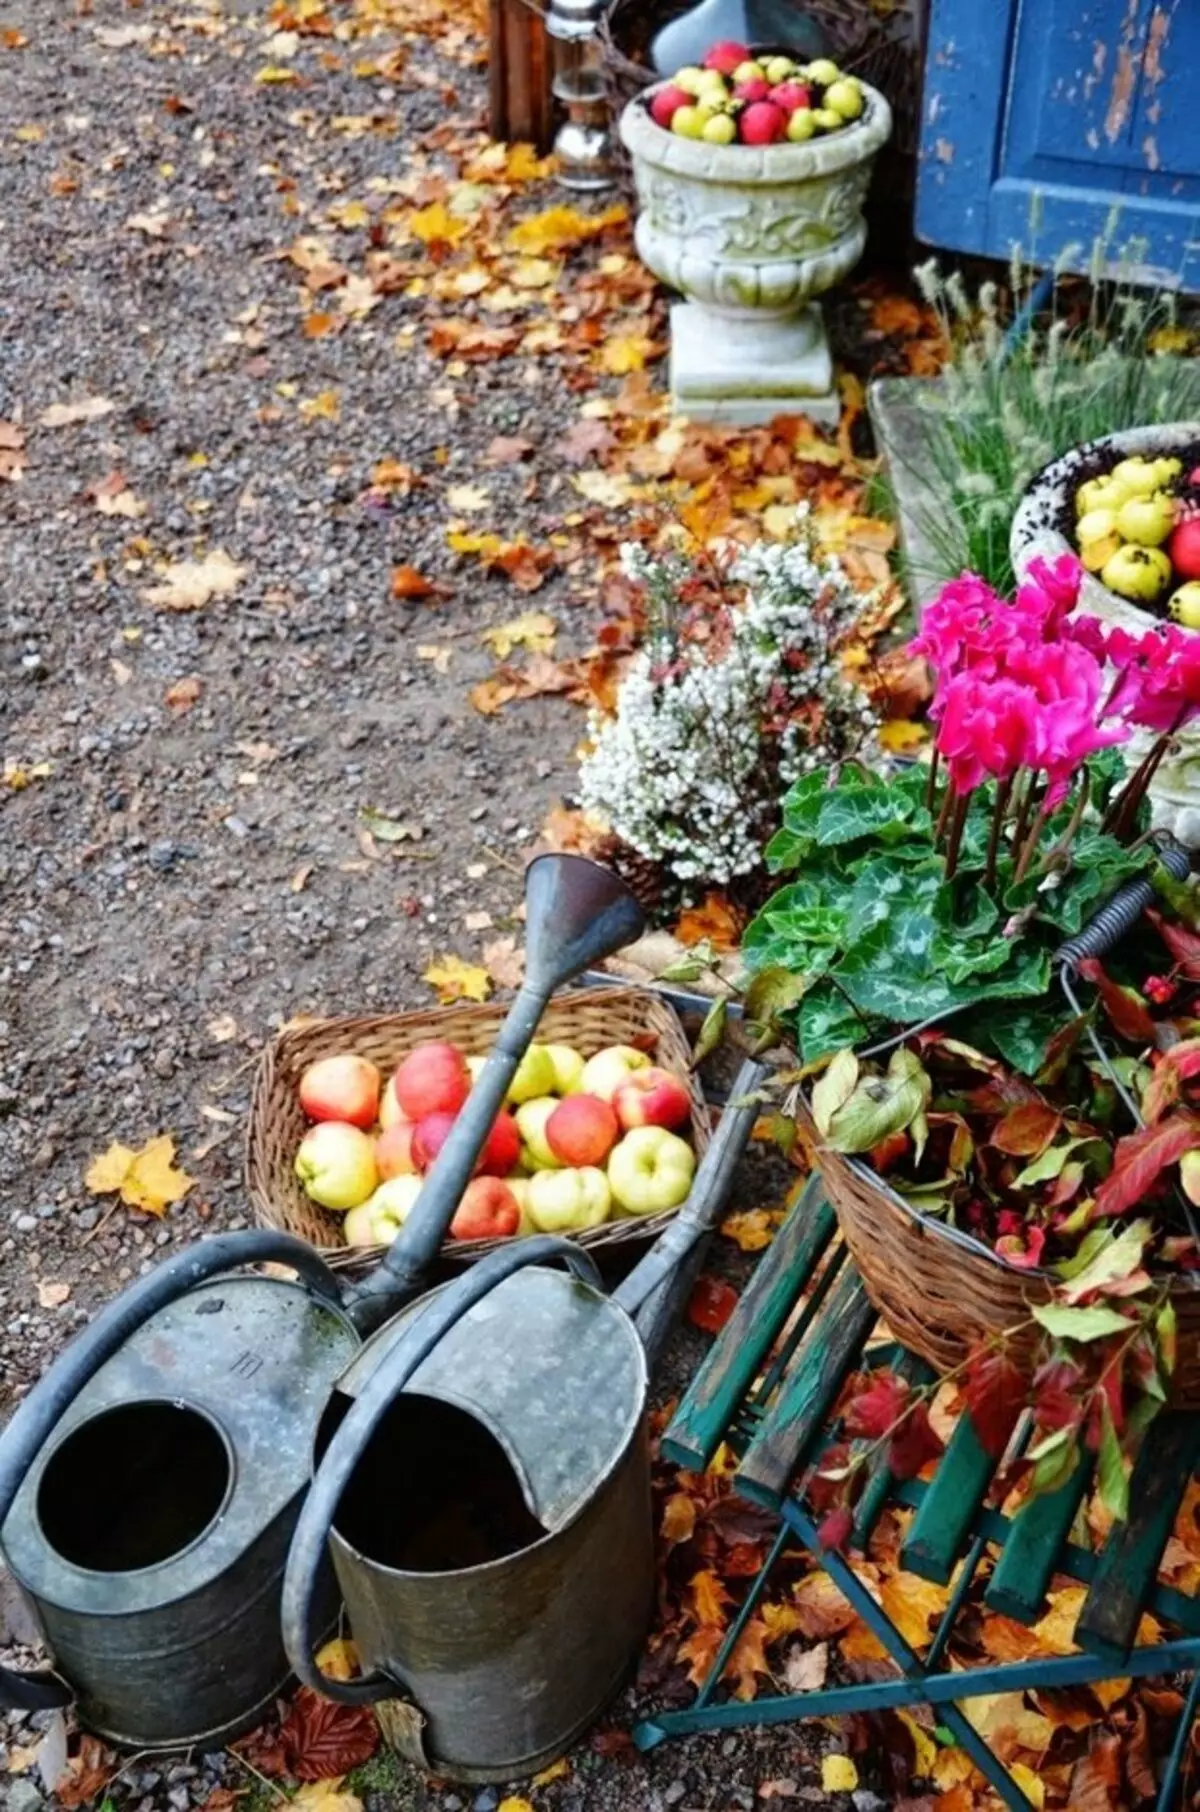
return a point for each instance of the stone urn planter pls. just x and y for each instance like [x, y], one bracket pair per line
[1037, 532]
[749, 235]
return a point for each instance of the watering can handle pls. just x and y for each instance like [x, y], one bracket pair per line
[40, 1412]
[345, 1449]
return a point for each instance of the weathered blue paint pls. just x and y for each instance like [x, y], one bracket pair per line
[1051, 123]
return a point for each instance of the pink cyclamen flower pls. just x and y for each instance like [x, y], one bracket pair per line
[988, 729]
[1159, 685]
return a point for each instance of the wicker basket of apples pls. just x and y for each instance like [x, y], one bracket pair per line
[599, 1140]
[757, 98]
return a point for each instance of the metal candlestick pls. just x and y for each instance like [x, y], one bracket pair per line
[584, 144]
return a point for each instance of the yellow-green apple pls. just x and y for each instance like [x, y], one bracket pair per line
[845, 97]
[534, 1076]
[1137, 476]
[531, 1122]
[582, 1130]
[433, 1079]
[1184, 605]
[390, 1111]
[604, 1073]
[1137, 573]
[394, 1154]
[520, 1188]
[652, 1097]
[1147, 520]
[378, 1220]
[567, 1201]
[488, 1210]
[502, 1147]
[336, 1164]
[343, 1088]
[823, 70]
[568, 1068]
[651, 1169]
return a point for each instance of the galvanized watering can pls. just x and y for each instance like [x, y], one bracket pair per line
[151, 1482]
[484, 1491]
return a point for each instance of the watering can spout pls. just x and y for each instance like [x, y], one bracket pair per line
[576, 913]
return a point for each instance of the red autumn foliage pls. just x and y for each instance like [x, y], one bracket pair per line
[994, 1389]
[914, 1444]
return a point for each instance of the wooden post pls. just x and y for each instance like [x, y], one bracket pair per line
[522, 108]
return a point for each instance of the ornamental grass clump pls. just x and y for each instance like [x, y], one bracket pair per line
[738, 690]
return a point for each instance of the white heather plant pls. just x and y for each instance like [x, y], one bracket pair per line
[709, 732]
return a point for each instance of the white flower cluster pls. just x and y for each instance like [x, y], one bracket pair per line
[690, 770]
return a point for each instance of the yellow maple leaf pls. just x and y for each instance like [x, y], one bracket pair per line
[534, 630]
[624, 353]
[751, 1229]
[468, 497]
[147, 1179]
[838, 1774]
[899, 734]
[557, 228]
[326, 1796]
[456, 980]
[322, 407]
[514, 1803]
[1030, 1782]
[925, 1750]
[555, 1772]
[338, 1659]
[106, 1173]
[487, 546]
[436, 222]
[275, 72]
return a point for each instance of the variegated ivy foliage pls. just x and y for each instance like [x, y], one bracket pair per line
[881, 937]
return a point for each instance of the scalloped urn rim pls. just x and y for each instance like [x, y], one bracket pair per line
[768, 164]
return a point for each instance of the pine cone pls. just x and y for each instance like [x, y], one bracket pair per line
[643, 876]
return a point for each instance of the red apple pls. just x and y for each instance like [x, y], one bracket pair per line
[429, 1135]
[666, 104]
[1183, 548]
[433, 1079]
[763, 123]
[582, 1130]
[502, 1147]
[758, 89]
[791, 95]
[727, 57]
[342, 1088]
[394, 1155]
[488, 1210]
[652, 1097]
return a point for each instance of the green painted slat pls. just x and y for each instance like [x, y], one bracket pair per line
[1032, 1552]
[943, 1523]
[832, 1350]
[733, 1362]
[1127, 1569]
[880, 1480]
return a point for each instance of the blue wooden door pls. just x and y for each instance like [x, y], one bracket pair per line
[1049, 123]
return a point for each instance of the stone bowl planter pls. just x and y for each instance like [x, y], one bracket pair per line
[749, 235]
[1036, 532]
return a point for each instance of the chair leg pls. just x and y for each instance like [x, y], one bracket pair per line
[880, 1624]
[1183, 1731]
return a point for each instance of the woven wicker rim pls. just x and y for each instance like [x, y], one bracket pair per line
[606, 1015]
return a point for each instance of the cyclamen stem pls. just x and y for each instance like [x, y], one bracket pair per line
[939, 828]
[957, 827]
[1003, 794]
[1029, 846]
[1022, 822]
[931, 783]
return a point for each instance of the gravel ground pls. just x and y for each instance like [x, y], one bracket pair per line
[180, 879]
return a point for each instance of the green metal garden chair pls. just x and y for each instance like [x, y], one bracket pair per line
[778, 1420]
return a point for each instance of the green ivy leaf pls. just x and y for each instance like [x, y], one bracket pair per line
[1055, 1459]
[1116, 1259]
[834, 1089]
